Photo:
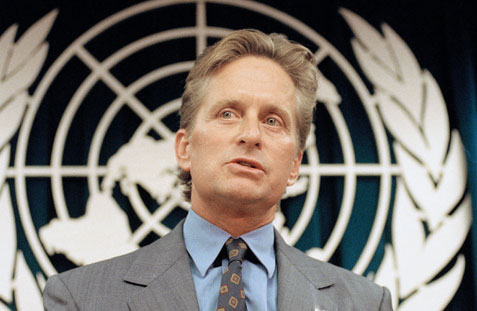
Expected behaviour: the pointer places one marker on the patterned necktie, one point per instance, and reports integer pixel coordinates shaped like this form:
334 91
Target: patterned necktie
231 294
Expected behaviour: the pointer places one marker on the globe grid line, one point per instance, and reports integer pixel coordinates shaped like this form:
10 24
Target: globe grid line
304 216
20 182
155 221
350 182
19 61
125 95
201 23
324 169
320 54
349 170
137 204
149 221
117 104
248 4
376 124
349 186
133 47
115 85
165 109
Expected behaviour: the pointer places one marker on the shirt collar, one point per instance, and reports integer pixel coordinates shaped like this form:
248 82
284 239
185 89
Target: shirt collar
204 241
261 241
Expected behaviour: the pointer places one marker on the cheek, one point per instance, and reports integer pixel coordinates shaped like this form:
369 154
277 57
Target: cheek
205 146
286 156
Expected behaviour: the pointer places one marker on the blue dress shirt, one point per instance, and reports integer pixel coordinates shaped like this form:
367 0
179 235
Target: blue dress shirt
204 242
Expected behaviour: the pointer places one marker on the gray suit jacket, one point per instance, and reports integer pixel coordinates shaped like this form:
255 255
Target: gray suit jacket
157 277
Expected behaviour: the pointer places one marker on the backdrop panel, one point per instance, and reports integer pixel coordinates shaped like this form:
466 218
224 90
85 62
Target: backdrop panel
89 94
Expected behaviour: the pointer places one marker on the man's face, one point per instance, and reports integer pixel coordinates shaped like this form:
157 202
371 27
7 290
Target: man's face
243 145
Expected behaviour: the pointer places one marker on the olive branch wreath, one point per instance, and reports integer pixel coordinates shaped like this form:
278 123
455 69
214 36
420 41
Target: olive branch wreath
20 64
431 213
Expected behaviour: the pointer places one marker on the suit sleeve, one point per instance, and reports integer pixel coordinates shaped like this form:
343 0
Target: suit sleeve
386 303
57 297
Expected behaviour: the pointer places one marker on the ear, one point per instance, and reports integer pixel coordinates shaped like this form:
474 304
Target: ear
294 173
182 147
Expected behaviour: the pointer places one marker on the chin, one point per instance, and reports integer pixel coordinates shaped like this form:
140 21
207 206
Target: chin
245 196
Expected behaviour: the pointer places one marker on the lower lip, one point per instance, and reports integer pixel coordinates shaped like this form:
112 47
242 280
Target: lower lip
238 168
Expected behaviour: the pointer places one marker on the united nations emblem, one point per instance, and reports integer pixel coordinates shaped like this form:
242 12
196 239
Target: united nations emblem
111 172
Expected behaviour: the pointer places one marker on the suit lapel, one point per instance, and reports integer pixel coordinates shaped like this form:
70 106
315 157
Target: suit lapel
302 285
164 272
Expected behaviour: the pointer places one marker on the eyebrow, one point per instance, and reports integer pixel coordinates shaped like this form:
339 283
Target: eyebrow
227 103
212 110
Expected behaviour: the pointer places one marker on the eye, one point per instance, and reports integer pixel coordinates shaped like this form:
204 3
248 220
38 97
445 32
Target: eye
272 121
226 114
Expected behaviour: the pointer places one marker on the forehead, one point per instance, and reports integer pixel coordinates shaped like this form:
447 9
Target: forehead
252 79
256 73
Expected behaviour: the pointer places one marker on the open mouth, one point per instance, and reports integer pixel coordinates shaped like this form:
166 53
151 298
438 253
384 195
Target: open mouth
249 167
250 163
246 164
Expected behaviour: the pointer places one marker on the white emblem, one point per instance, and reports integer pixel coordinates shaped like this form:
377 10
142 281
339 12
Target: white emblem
430 172
20 63
433 178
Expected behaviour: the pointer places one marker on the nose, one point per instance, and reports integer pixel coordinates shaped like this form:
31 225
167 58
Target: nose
250 133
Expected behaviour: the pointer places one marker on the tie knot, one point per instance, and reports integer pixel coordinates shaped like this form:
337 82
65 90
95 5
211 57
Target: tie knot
236 249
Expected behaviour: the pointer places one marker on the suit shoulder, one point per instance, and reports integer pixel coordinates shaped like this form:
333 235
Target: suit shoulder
93 286
108 273
348 287
115 265
109 284
314 266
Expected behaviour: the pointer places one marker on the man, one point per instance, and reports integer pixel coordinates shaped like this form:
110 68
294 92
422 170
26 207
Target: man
246 113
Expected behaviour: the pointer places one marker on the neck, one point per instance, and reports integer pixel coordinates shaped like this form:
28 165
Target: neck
233 219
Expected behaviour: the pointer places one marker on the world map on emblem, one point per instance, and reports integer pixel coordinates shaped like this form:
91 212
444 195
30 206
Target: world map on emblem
105 112
142 169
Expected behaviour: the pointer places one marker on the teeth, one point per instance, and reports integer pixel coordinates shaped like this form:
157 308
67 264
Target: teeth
245 164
